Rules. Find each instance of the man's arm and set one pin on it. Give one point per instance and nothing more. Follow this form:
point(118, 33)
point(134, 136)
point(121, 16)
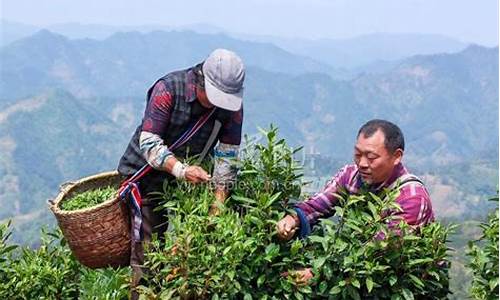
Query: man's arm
point(226, 154)
point(157, 154)
point(224, 174)
point(320, 205)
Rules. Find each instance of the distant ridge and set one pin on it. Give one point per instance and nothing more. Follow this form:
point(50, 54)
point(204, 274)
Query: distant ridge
point(366, 49)
point(347, 53)
point(134, 59)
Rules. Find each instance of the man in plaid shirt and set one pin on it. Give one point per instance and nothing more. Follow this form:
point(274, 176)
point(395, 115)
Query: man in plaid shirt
point(211, 90)
point(377, 165)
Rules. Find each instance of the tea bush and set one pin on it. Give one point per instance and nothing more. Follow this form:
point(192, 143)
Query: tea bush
point(236, 255)
point(5, 256)
point(484, 260)
point(358, 256)
point(51, 272)
point(103, 284)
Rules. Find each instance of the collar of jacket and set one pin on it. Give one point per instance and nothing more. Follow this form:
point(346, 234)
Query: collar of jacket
point(190, 86)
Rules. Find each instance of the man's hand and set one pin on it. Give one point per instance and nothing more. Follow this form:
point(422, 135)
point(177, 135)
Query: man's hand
point(196, 174)
point(220, 196)
point(287, 226)
point(193, 174)
point(301, 277)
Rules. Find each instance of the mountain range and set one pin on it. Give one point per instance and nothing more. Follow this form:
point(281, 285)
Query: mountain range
point(90, 67)
point(69, 106)
point(359, 52)
point(350, 54)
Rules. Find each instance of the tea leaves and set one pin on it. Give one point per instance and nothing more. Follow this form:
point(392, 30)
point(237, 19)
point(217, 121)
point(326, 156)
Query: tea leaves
point(89, 198)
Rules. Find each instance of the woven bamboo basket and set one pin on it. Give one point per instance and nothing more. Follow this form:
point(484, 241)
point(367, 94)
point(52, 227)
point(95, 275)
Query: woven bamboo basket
point(98, 236)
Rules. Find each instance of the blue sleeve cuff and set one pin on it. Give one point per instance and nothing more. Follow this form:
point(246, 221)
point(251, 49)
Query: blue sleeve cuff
point(305, 228)
point(225, 154)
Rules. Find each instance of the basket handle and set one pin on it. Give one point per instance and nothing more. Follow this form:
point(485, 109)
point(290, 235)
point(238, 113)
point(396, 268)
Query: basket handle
point(66, 185)
point(52, 204)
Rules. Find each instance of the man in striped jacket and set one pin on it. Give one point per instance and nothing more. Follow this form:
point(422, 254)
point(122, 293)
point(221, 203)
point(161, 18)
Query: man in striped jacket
point(377, 165)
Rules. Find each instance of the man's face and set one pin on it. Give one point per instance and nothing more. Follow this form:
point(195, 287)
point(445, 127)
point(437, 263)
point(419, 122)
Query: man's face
point(374, 162)
point(202, 97)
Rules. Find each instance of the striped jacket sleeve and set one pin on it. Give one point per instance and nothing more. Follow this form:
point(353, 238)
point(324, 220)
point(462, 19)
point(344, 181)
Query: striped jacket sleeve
point(322, 204)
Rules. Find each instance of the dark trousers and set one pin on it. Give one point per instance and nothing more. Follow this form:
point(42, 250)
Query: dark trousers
point(152, 222)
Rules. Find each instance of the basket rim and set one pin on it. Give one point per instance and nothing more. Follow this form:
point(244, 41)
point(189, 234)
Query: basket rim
point(54, 205)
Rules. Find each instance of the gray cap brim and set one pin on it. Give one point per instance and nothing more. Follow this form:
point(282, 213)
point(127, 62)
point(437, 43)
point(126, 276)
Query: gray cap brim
point(223, 100)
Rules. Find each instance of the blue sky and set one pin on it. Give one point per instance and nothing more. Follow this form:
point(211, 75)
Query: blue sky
point(467, 20)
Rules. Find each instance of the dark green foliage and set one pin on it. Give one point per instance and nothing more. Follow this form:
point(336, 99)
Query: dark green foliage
point(234, 254)
point(484, 259)
point(5, 252)
point(358, 255)
point(185, 265)
point(269, 169)
point(51, 272)
point(89, 198)
point(104, 284)
point(460, 274)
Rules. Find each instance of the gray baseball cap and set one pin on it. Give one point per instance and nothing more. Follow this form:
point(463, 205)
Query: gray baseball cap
point(224, 75)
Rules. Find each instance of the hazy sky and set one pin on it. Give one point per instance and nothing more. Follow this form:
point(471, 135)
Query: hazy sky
point(467, 20)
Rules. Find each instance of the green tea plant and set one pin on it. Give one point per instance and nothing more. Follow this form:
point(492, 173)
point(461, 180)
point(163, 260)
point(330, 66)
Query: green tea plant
point(234, 254)
point(51, 272)
point(359, 256)
point(5, 254)
point(269, 168)
point(103, 284)
point(483, 255)
point(268, 183)
point(89, 198)
point(201, 257)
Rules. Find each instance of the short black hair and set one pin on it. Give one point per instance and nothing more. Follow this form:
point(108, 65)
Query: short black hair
point(394, 138)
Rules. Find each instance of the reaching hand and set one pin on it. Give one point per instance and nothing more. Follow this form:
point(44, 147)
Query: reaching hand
point(220, 196)
point(301, 277)
point(196, 174)
point(287, 227)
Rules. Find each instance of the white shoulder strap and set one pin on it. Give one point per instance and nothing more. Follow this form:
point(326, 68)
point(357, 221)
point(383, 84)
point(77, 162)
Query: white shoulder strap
point(405, 180)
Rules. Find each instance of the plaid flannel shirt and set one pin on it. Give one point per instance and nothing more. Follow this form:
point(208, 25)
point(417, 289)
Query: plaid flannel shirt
point(413, 199)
